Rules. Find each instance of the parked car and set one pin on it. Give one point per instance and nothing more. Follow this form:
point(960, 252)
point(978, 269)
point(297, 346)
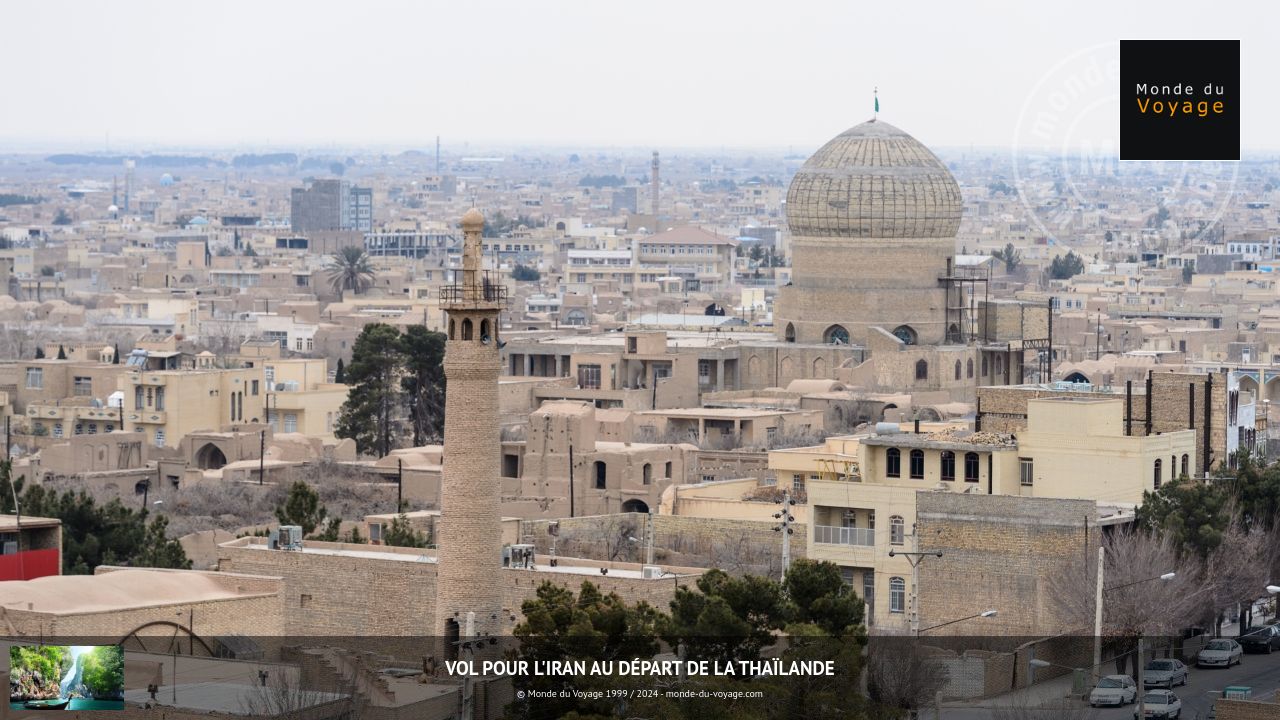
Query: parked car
point(1114, 690)
point(1222, 652)
point(1263, 639)
point(1164, 673)
point(1160, 704)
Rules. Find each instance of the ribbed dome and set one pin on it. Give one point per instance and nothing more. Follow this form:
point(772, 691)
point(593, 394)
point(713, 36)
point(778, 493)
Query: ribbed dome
point(874, 181)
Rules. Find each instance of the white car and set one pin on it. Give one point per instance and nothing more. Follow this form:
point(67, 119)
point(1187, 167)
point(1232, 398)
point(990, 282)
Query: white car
point(1114, 690)
point(1164, 673)
point(1222, 652)
point(1160, 704)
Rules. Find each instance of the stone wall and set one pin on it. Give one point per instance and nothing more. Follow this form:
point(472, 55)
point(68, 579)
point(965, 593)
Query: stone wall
point(998, 553)
point(1247, 710)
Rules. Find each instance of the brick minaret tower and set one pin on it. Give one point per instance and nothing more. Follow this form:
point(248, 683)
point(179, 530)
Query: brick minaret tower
point(470, 553)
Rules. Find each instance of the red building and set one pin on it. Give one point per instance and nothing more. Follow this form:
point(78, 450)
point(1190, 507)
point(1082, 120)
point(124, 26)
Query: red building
point(30, 547)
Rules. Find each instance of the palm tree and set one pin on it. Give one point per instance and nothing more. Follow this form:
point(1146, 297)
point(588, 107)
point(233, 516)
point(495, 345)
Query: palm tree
point(351, 270)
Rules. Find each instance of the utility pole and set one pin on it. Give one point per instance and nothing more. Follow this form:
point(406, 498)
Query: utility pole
point(262, 455)
point(1142, 705)
point(1097, 616)
point(784, 526)
point(399, 485)
point(915, 557)
point(648, 540)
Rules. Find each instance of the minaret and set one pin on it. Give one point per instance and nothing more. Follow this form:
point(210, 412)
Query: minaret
point(470, 546)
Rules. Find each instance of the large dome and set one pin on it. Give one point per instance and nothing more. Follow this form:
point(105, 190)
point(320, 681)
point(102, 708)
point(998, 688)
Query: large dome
point(874, 181)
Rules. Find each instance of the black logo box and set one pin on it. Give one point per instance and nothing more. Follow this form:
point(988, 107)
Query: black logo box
point(1208, 132)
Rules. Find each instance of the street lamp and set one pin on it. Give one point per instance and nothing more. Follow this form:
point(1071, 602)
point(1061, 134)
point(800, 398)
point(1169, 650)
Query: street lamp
point(983, 614)
point(1273, 589)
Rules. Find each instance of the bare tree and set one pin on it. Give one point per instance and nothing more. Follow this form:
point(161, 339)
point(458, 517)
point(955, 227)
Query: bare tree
point(1236, 572)
point(284, 695)
point(1136, 602)
point(900, 675)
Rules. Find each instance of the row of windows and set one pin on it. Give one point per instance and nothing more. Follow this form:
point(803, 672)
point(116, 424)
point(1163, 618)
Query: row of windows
point(1173, 465)
point(893, 465)
point(600, 471)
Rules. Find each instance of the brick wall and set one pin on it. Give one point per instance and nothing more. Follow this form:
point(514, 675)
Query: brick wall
point(1247, 710)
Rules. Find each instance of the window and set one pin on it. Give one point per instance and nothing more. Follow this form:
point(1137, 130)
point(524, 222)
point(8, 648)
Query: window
point(290, 422)
point(957, 369)
point(836, 335)
point(897, 595)
point(893, 463)
point(160, 437)
point(137, 397)
point(646, 474)
point(589, 377)
point(375, 532)
point(922, 370)
point(600, 475)
point(297, 344)
point(984, 365)
point(917, 464)
point(797, 483)
point(1157, 474)
point(82, 387)
point(668, 470)
point(948, 465)
point(253, 387)
point(846, 575)
point(57, 430)
point(159, 398)
point(897, 530)
point(1026, 472)
point(971, 467)
point(969, 368)
point(79, 429)
point(35, 379)
point(269, 373)
point(869, 593)
point(704, 371)
point(1185, 460)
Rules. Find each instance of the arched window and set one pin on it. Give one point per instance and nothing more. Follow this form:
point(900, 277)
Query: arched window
point(836, 335)
point(600, 475)
point(984, 366)
point(484, 331)
point(893, 463)
point(466, 329)
point(999, 364)
point(953, 333)
point(790, 333)
point(922, 369)
point(948, 465)
point(648, 474)
point(906, 334)
point(453, 332)
point(917, 464)
point(968, 371)
point(897, 530)
point(1185, 461)
point(957, 369)
point(971, 467)
point(897, 595)
point(1157, 474)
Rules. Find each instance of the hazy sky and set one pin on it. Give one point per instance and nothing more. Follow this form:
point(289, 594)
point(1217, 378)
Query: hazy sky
point(694, 73)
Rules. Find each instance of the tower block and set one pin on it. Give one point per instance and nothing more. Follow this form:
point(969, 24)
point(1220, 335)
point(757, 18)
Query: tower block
point(470, 538)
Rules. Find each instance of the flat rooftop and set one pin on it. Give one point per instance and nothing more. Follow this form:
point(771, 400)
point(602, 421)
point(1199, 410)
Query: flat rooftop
point(9, 523)
point(114, 591)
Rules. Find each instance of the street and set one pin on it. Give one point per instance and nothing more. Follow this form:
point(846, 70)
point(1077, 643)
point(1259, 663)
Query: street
point(1260, 672)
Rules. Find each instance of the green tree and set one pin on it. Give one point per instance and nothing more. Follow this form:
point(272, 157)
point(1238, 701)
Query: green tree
point(62, 353)
point(102, 671)
point(340, 374)
point(591, 626)
point(115, 358)
point(369, 414)
point(423, 383)
point(1066, 266)
point(822, 598)
point(400, 533)
point(525, 273)
point(351, 269)
point(1255, 490)
point(249, 251)
point(62, 218)
point(1193, 512)
point(1187, 271)
point(1011, 256)
point(47, 271)
point(39, 353)
point(726, 618)
point(302, 507)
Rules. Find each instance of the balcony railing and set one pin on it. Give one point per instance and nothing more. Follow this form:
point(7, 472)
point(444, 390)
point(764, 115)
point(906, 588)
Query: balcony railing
point(833, 535)
point(485, 292)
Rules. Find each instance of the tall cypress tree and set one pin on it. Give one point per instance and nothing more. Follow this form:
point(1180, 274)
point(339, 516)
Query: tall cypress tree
point(423, 382)
point(340, 375)
point(372, 410)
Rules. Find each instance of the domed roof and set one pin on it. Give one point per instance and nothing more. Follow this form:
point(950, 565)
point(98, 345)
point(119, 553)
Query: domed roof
point(874, 181)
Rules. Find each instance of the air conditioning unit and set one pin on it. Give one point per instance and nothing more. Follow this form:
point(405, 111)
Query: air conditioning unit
point(290, 537)
point(651, 572)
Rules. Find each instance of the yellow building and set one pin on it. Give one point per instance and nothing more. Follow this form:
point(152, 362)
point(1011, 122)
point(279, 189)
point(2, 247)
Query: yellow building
point(300, 397)
point(165, 405)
